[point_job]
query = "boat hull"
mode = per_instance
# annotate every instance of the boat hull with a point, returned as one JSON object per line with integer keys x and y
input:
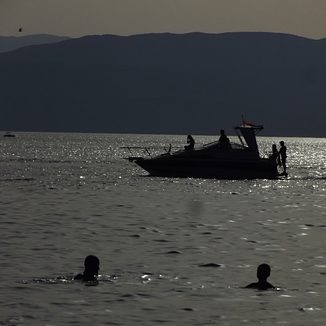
{"x": 219, "y": 169}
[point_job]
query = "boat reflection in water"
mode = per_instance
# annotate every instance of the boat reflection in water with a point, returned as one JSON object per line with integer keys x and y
{"x": 215, "y": 160}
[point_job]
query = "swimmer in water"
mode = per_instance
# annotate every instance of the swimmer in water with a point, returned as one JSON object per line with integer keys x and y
{"x": 263, "y": 272}
{"x": 92, "y": 266}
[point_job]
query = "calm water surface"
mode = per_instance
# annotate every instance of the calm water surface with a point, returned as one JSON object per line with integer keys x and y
{"x": 172, "y": 251}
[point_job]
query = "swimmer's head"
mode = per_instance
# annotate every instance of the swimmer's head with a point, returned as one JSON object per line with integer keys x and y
{"x": 92, "y": 264}
{"x": 263, "y": 271}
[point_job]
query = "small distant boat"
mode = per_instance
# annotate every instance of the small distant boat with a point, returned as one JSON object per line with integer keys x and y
{"x": 9, "y": 134}
{"x": 236, "y": 161}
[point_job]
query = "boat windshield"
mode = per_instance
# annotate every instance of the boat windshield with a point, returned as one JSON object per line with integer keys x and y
{"x": 217, "y": 145}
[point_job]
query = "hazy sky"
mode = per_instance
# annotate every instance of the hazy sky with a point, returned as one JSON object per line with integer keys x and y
{"x": 76, "y": 18}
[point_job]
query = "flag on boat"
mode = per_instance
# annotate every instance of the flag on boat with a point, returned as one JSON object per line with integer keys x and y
{"x": 246, "y": 123}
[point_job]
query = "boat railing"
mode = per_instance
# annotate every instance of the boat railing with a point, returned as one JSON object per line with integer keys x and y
{"x": 147, "y": 151}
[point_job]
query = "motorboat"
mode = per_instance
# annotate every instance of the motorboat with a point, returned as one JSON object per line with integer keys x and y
{"x": 229, "y": 160}
{"x": 9, "y": 134}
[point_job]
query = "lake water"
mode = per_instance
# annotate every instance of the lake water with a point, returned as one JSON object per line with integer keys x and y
{"x": 172, "y": 251}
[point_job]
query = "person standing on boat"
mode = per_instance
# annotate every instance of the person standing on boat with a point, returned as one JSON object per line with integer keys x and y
{"x": 282, "y": 153}
{"x": 190, "y": 142}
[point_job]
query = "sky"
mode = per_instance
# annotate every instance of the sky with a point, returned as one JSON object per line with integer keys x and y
{"x": 76, "y": 18}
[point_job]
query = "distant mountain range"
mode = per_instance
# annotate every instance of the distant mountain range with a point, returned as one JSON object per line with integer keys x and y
{"x": 166, "y": 83}
{"x": 9, "y": 43}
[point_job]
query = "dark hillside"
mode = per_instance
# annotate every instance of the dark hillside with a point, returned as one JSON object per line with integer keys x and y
{"x": 166, "y": 83}
{"x": 10, "y": 43}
